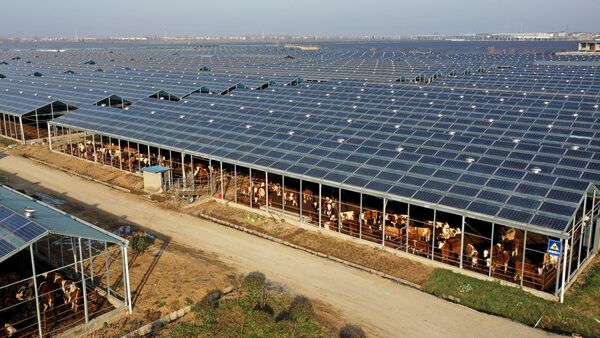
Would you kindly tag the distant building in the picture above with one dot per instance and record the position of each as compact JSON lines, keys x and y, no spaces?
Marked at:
{"x":589,"y":47}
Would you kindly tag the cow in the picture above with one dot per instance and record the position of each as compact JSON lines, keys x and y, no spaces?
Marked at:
{"x":509,"y":235}
{"x":531,"y":273}
{"x":308,"y":197}
{"x":472,"y":253}
{"x":397,"y":220}
{"x":499,"y":259}
{"x":420,"y":233}
{"x":72,"y":293}
{"x":496,"y":249}
{"x":347,"y":216}
{"x":74,"y":296}
{"x":291,"y":198}
{"x":550,"y":261}
{"x":448,"y":247}
{"x":25,"y":292}
{"x":512,"y":246}
{"x":8,"y":330}
{"x":53,"y":277}
{"x":46,"y":294}
{"x":391,"y":232}
{"x":275,"y":188}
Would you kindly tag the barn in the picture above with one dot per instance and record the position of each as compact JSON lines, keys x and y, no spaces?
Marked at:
{"x":488,"y":163}
{"x":57,"y":272}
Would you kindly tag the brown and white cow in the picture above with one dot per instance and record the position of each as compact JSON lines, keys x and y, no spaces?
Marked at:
{"x":449,"y":247}
{"x":531,"y":272}
{"x":46,"y":294}
{"x":471,"y":252}
{"x":550,"y":262}
{"x":71,"y":293}
{"x":500,"y":258}
{"x":8,"y":330}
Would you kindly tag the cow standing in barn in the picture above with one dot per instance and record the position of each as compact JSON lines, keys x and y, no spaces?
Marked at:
{"x":8,"y":330}
{"x":531,"y":273}
{"x":511,"y":242}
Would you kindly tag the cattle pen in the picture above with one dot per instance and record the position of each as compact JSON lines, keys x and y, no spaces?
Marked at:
{"x":485,"y":162}
{"x":58,"y":272}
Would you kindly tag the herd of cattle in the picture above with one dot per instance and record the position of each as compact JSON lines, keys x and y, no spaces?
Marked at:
{"x":52,"y":288}
{"x":132,"y":159}
{"x":424,"y":238}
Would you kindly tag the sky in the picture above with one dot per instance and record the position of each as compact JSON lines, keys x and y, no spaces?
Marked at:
{"x":27,"y":18}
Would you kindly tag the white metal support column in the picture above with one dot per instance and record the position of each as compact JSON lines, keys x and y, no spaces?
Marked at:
{"x":251,"y":186}
{"x":462,"y":241}
{"x":222,"y":181}
{"x":107,"y":265}
{"x":491,"y":258}
{"x":94,"y":148}
{"x":407,"y":227}
{"x":433,"y":235}
{"x":282,"y":196}
{"x":74,"y":255}
{"x":183,"y":170}
{"x":383,"y":223}
{"x":267,"y":190}
{"x":35,"y":292}
{"x":360,"y":218}
{"x":564,"y":270}
{"x":85,"y":302}
{"x":126,"y":267}
{"x":339,"y":213}
{"x":235,"y":190}
{"x":320,"y":211}
{"x":523,"y":259}
{"x":91,"y":258}
{"x":301,"y":198}
{"x":70,"y":141}
{"x":49,"y":138}
{"x":581,"y":230}
{"x":22,"y":132}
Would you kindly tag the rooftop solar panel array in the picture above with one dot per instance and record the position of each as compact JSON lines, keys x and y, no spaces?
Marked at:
{"x":498,"y":135}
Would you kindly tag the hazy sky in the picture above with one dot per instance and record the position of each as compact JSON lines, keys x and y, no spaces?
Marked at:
{"x":314,"y":17}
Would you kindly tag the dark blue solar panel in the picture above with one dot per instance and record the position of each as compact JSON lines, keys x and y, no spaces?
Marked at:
{"x":427,"y":196}
{"x":454,"y":202}
{"x":14,"y":222}
{"x":483,"y":208}
{"x":5,"y":247}
{"x":549,"y":222}
{"x":515,"y":215}
{"x":559,"y":209}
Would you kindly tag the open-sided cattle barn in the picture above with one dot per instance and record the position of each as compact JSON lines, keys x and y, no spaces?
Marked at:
{"x":56,"y":271}
{"x":485,"y":162}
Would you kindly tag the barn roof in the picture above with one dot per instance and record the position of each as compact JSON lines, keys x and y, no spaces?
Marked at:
{"x":17,"y":231}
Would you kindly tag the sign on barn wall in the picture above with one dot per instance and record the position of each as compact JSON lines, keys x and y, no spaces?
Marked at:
{"x":554,"y":247}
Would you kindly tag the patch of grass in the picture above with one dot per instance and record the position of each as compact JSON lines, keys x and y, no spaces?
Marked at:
{"x":5,"y":142}
{"x":257,"y":310}
{"x":577,"y":314}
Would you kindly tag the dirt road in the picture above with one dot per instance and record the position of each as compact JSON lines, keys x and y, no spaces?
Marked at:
{"x":384,"y":308}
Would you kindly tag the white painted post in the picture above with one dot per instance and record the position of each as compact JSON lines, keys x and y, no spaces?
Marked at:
{"x":564,"y":270}
{"x":35,"y":292}
{"x":127,"y":280}
{"x":523,"y":259}
{"x":383,"y":223}
{"x":462,"y":241}
{"x":85,"y":302}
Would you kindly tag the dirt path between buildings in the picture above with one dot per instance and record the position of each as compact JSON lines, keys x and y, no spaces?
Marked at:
{"x":382,"y":307}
